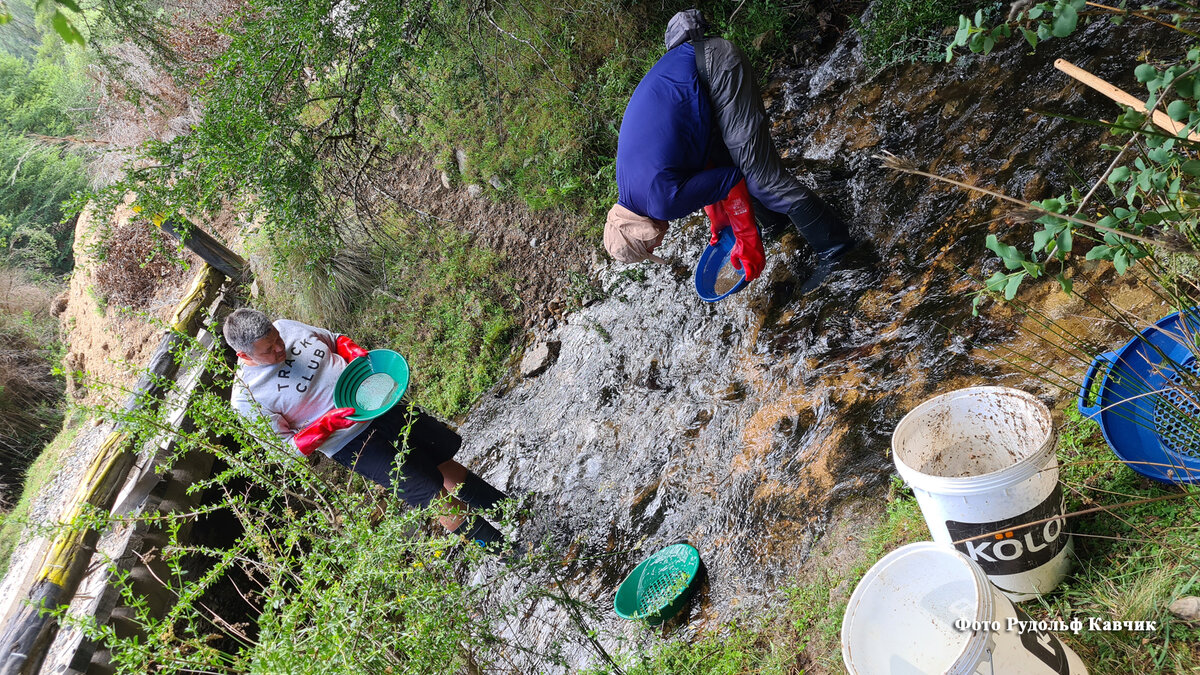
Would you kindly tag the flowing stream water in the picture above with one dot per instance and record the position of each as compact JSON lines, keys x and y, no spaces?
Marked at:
{"x":741,"y":426}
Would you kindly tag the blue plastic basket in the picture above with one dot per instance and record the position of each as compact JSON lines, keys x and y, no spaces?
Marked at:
{"x":715,"y":257}
{"x":1147,"y":400}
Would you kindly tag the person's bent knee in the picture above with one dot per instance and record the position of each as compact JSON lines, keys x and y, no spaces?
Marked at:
{"x":453,"y":472}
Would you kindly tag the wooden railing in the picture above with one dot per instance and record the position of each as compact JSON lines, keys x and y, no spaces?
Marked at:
{"x":27,"y":634}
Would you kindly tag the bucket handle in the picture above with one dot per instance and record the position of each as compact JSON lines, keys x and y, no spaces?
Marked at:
{"x":1091,"y":411}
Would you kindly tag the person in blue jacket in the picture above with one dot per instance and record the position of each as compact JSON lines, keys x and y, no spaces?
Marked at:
{"x":695,"y":135}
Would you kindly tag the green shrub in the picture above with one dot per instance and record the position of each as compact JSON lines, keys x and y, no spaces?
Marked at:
{"x":41,"y":97}
{"x":903,"y":31}
{"x":319,"y":575}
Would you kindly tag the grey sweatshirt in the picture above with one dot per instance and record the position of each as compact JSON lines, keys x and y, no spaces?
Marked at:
{"x":293,"y":394}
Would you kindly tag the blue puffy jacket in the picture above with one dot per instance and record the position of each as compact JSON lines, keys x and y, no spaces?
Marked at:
{"x":664,"y":143}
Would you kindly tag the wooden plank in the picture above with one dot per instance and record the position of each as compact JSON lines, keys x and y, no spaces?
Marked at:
{"x":27,"y":633}
{"x":1160,"y":118}
{"x":204,"y":245}
{"x":188,"y":317}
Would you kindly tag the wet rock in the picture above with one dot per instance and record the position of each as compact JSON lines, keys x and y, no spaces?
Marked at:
{"x":474,"y":190}
{"x":539,"y":357}
{"x":1187,"y":608}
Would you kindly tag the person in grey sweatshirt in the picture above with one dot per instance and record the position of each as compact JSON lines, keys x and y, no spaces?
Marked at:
{"x":286,"y":374}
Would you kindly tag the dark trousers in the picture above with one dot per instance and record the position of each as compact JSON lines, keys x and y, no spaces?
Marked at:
{"x":429,"y":442}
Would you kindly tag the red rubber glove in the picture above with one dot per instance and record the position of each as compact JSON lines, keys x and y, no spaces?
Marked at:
{"x":347,"y":349}
{"x":312,"y":436}
{"x":747,"y":253}
{"x":717,"y":220}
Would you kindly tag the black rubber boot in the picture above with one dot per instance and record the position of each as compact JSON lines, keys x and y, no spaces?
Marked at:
{"x":822,"y":227}
{"x":771,"y":224}
{"x":481,"y":532}
{"x":477,"y":493}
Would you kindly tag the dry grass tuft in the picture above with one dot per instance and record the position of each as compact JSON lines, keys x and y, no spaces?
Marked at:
{"x":135,"y":262}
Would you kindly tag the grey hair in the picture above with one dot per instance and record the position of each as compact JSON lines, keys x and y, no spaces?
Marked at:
{"x":245,"y":326}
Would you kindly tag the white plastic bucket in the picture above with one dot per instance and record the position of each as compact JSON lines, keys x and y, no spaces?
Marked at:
{"x":926,"y":608}
{"x":982,"y":460}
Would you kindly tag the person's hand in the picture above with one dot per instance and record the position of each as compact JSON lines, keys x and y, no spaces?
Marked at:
{"x":717,"y":220}
{"x":747,"y":254}
{"x":312,"y":436}
{"x":348,"y":349}
{"x":748,"y":257}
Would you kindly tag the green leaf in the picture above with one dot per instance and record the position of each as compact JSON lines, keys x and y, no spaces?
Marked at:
{"x":1009,"y":254}
{"x":1043,"y":31}
{"x":1033,"y":269}
{"x":996,"y":282}
{"x":65,"y":29}
{"x":1036,"y":12}
{"x":1030,"y":37}
{"x":1042,"y":238}
{"x":5,"y":17}
{"x":1191,"y":167}
{"x":1099,"y":252}
{"x":1121,"y":173}
{"x":1063,"y":281}
{"x":1159,"y":156}
{"x":975,"y":304}
{"x":1063,"y":243}
{"x":1065,"y":21}
{"x":1014,"y":282}
{"x":964,"y":31}
{"x":988,"y":43}
{"x":1178,"y":110}
{"x":1121,"y":261}
{"x":69,"y":4}
{"x":1145,"y":72}
{"x":1052,"y":204}
{"x":1186,"y":87}
{"x":979,"y":17}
